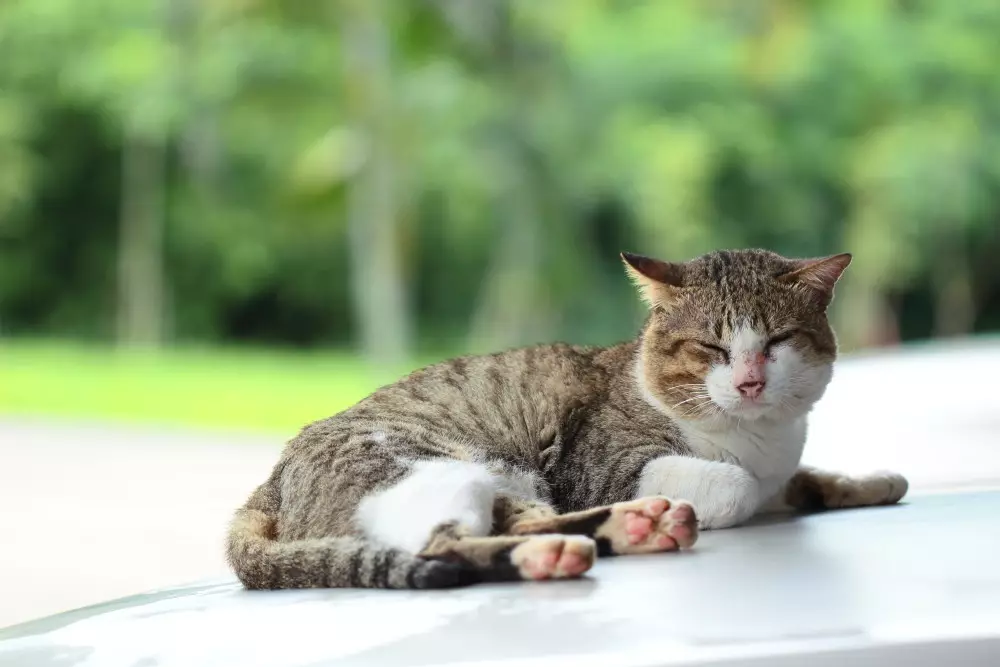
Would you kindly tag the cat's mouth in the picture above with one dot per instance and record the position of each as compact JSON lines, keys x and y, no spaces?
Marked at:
{"x":747,"y":408}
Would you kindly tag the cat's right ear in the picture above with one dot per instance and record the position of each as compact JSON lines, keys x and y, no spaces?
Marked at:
{"x":658,"y":281}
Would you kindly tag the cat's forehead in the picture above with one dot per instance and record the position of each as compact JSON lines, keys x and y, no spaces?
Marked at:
{"x":727,"y":291}
{"x":722,"y":310}
{"x":737,"y":270}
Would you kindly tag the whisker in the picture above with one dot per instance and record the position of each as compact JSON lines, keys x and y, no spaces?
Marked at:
{"x":707,"y":402}
{"x":682,"y":387}
{"x":693,"y":398}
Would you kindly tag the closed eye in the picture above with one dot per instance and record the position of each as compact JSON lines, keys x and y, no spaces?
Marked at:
{"x":714,"y":349}
{"x":774,"y":341}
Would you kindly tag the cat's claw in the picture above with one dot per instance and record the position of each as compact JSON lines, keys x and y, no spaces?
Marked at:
{"x":649,"y":525}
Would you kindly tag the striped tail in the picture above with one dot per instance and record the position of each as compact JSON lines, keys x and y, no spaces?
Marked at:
{"x":262,"y":562}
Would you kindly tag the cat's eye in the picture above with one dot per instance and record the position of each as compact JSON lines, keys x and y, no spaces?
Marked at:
{"x":714,"y":349}
{"x":774,"y":341}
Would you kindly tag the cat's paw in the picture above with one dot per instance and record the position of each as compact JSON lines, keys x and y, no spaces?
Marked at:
{"x":649,"y":525}
{"x":554,"y":557}
{"x":879,"y":488}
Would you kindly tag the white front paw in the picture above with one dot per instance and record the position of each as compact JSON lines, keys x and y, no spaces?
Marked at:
{"x":726,"y":510}
{"x":721,"y":520}
{"x":723,"y":494}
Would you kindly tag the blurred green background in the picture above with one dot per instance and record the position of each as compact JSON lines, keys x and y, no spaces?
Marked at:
{"x":249,"y":213}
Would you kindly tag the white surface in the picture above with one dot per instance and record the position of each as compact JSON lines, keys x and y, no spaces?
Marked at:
{"x":931,"y":413}
{"x":91,"y":513}
{"x":888,"y":585}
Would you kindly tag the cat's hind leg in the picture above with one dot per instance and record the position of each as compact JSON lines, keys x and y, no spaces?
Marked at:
{"x":513,"y":558}
{"x":645,"y":525}
{"x":444,"y":510}
{"x":810,"y":489}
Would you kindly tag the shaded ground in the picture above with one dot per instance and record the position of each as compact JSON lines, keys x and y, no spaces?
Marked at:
{"x":95,"y":512}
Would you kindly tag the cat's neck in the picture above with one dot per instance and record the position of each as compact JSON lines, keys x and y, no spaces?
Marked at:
{"x":771,"y":450}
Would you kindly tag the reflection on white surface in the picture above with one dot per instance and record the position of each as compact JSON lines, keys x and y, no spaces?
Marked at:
{"x":187,"y":630}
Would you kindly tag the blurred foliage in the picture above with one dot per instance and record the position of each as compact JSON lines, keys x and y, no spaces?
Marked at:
{"x":523,"y":143}
{"x":245,"y":390}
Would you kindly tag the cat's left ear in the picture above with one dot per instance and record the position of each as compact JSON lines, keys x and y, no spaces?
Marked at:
{"x":658,"y":281}
{"x":820,"y":274}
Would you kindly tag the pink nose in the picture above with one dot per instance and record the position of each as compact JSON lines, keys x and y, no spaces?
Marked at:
{"x":750,"y":389}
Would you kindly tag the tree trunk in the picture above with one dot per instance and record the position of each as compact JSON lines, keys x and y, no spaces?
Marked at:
{"x":513,"y":308}
{"x":378,"y":292}
{"x":140,"y":250}
{"x":199,"y":145}
{"x":954,"y":299}
{"x":141,"y":280}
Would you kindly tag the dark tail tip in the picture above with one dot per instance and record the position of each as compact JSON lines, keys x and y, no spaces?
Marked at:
{"x":441,"y":574}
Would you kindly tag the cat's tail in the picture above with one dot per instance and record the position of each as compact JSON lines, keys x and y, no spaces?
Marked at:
{"x":262,"y":562}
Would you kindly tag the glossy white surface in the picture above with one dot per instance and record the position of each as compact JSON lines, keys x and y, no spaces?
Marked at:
{"x":877,"y":586}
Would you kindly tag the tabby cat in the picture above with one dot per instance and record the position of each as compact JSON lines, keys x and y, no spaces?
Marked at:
{"x":527,"y":464}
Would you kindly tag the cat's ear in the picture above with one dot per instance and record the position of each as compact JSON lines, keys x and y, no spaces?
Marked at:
{"x":657,"y":281}
{"x":820,"y":274}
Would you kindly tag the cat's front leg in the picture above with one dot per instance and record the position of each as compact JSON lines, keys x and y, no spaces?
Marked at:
{"x":723,"y":494}
{"x":810,"y":489}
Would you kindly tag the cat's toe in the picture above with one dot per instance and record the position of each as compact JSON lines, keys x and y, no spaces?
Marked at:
{"x":879,"y":488}
{"x":649,"y":525}
{"x":885,"y":488}
{"x":554,"y":557}
{"x":680,"y":523}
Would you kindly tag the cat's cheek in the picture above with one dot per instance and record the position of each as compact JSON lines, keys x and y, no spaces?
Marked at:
{"x":782,"y":372}
{"x":796,"y":381}
{"x":719,"y":382}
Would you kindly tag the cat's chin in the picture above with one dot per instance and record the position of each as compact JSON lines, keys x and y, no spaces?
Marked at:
{"x":752,"y":411}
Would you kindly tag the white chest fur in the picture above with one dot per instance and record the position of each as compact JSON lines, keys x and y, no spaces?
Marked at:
{"x":769,"y":450}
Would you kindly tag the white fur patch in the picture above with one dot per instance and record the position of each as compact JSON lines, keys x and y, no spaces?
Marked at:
{"x":723,"y":494}
{"x":793,"y":384}
{"x":514,"y":481}
{"x":435,"y":492}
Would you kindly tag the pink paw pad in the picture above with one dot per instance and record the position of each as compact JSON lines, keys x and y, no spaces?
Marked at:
{"x":651,"y":524}
{"x":554,"y":557}
{"x":637,"y":526}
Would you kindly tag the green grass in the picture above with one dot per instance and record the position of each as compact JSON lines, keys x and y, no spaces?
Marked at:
{"x":228,"y":389}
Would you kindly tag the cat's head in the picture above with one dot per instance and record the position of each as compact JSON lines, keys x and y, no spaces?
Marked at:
{"x":736,"y":335}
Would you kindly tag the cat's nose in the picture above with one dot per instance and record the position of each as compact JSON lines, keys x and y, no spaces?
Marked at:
{"x":750,"y":389}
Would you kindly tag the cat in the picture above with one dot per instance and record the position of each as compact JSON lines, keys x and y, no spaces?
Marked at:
{"x":529,"y":463}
